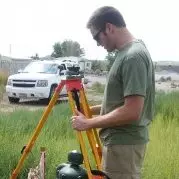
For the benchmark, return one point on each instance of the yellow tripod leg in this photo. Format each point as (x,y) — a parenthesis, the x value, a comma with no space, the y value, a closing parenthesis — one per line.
(37,131)
(90,133)
(89,115)
(80,138)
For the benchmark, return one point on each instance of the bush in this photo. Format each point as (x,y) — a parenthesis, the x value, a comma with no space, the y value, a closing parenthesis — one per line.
(98,87)
(87,71)
(3,81)
(169,78)
(2,89)
(3,78)
(98,72)
(162,79)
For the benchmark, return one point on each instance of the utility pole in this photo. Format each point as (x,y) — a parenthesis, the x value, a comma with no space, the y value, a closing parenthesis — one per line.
(10,50)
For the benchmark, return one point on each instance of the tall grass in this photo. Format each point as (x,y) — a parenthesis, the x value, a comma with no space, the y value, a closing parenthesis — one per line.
(162,157)
(2,90)
(3,77)
(167,104)
(161,160)
(17,128)
(3,81)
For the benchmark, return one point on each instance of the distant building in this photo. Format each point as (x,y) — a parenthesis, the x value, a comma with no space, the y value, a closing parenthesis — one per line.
(21,63)
(12,65)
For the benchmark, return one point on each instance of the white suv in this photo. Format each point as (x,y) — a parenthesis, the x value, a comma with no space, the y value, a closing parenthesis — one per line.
(38,80)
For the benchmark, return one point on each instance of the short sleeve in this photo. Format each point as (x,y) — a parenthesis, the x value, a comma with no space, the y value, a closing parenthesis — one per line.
(134,76)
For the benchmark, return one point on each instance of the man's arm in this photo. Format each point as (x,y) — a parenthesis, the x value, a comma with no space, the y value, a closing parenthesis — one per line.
(95,109)
(129,112)
(126,114)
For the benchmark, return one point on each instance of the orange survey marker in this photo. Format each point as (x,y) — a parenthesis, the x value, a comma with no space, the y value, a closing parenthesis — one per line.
(77,98)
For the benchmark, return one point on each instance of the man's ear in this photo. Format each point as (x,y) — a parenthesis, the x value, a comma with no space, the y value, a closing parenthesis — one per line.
(109,28)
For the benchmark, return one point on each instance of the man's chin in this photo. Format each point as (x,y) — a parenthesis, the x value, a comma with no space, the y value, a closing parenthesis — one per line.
(109,50)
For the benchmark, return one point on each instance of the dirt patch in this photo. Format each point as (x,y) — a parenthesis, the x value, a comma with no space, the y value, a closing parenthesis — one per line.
(5,106)
(31,105)
(167,86)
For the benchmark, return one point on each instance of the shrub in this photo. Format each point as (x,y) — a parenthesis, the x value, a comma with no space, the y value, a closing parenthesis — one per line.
(98,87)
(3,81)
(162,79)
(169,78)
(98,72)
(3,77)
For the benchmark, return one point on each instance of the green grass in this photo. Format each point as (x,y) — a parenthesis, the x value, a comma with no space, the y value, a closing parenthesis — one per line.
(3,81)
(16,128)
(2,90)
(167,104)
(162,155)
(3,77)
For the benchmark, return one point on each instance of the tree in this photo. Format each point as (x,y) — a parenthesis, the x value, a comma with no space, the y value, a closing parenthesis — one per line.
(99,64)
(95,65)
(57,50)
(67,48)
(111,56)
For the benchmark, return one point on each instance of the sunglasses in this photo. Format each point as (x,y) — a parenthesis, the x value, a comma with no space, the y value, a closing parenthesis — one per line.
(96,37)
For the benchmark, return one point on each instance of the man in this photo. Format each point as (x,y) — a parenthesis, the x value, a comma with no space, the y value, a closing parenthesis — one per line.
(128,103)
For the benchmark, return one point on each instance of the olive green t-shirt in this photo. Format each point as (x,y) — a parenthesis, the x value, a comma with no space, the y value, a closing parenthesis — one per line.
(132,73)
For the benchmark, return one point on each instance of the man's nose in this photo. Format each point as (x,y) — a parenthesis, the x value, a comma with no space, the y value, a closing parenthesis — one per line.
(98,44)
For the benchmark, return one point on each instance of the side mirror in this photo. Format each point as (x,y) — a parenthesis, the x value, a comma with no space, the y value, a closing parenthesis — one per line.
(60,67)
(61,74)
(19,71)
(74,68)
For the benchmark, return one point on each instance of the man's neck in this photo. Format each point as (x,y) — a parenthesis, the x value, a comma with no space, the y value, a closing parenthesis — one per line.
(124,37)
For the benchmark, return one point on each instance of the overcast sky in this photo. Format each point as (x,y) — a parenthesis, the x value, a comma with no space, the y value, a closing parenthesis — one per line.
(33,26)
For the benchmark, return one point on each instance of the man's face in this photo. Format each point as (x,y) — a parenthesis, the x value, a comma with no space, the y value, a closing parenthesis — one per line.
(103,38)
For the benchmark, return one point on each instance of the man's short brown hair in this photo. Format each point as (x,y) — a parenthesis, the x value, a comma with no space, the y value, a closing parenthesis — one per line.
(103,15)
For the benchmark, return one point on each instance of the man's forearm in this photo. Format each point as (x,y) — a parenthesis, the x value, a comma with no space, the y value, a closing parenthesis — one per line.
(117,117)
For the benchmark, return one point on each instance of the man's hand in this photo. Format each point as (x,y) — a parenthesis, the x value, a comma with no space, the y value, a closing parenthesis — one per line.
(80,122)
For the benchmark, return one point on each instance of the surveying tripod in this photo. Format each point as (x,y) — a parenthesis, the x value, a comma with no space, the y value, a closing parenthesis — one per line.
(76,97)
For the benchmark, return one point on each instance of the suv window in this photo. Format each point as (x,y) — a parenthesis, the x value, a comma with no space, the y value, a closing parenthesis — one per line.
(39,67)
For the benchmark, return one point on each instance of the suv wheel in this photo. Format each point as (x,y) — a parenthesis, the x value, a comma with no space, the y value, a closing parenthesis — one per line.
(13,100)
(52,91)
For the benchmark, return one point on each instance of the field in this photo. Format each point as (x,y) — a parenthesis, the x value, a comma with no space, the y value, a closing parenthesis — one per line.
(17,126)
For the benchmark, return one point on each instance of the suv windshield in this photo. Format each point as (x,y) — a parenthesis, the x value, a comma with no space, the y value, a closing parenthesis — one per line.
(38,67)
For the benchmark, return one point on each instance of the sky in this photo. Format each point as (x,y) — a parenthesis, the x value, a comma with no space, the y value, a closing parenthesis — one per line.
(28,27)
